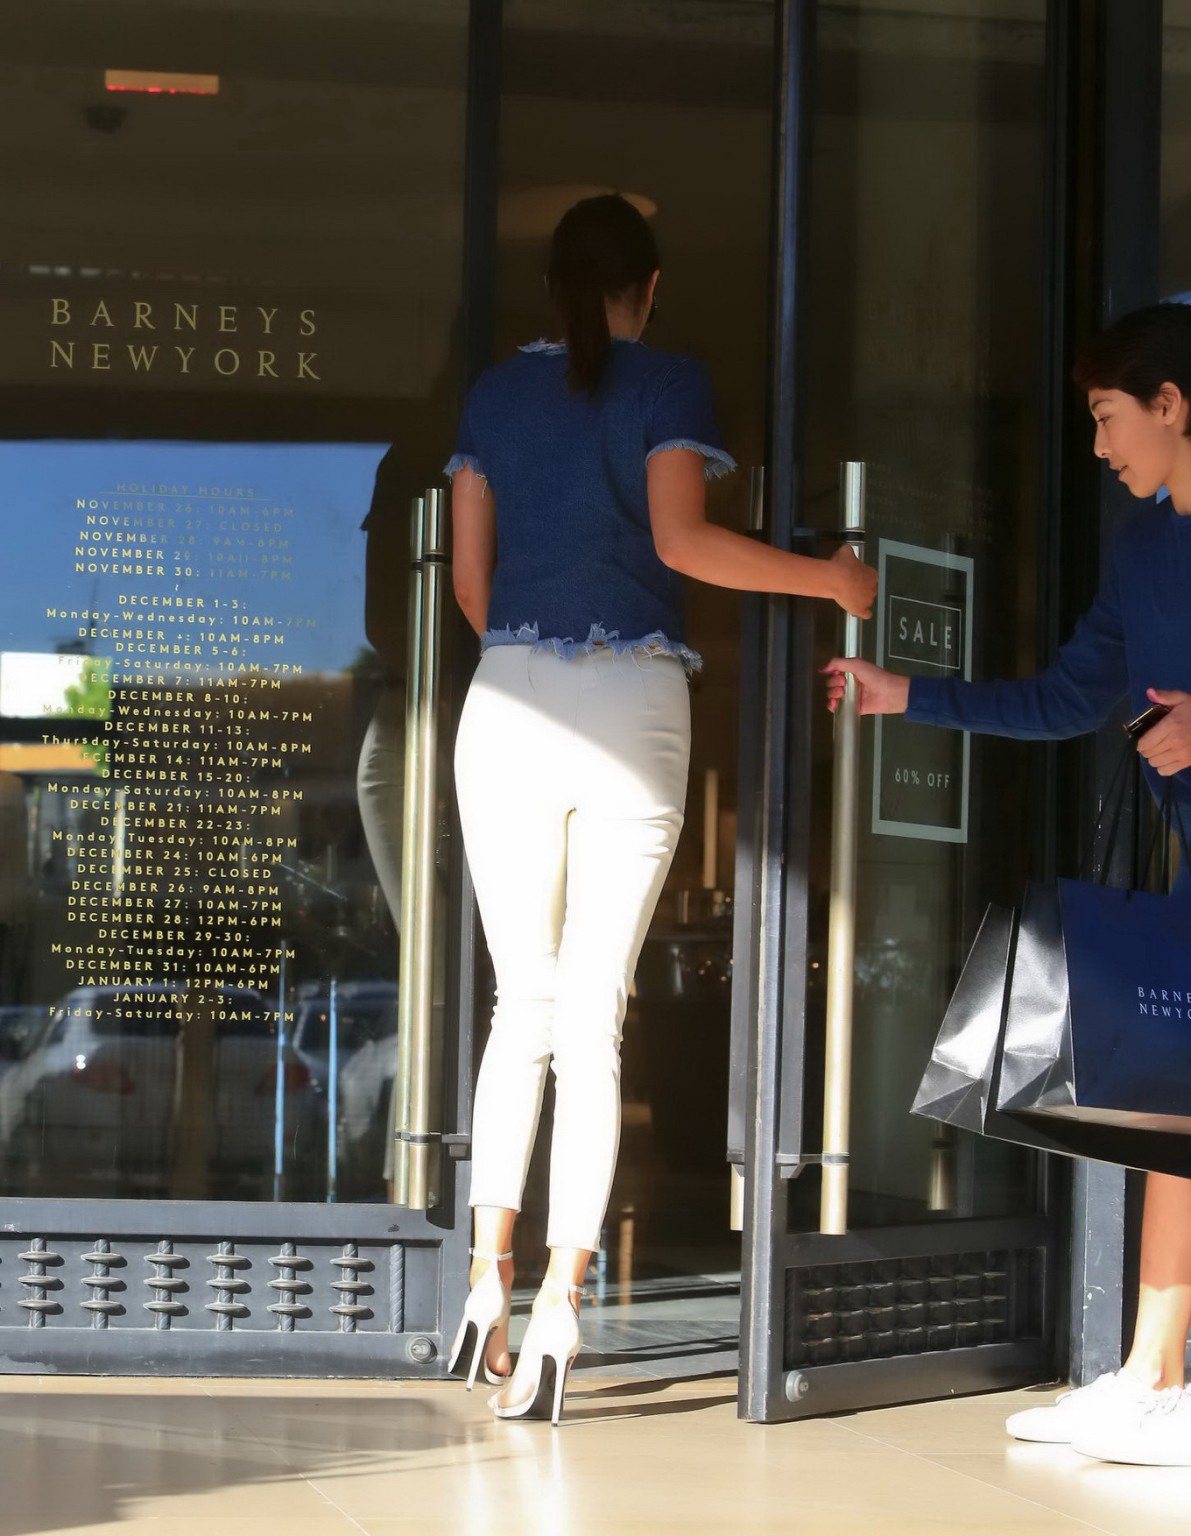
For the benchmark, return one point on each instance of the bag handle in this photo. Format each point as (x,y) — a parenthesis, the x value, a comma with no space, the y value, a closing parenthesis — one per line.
(1170,823)
(1112,808)
(1173,798)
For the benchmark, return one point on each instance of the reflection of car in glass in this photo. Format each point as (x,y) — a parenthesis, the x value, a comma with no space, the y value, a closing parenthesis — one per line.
(94,1102)
(364,1011)
(366,1031)
(18,1028)
(365,1086)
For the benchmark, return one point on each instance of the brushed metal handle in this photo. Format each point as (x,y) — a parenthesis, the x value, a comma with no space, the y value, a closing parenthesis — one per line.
(416,1140)
(841,929)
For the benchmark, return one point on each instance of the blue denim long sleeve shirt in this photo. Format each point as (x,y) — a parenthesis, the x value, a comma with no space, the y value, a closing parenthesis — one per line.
(576,568)
(1136,635)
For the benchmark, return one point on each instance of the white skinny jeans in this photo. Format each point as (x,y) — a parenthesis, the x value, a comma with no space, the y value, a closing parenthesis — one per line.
(571,776)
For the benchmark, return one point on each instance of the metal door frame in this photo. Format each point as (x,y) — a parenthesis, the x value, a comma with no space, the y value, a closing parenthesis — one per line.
(777,698)
(1116,215)
(231,1288)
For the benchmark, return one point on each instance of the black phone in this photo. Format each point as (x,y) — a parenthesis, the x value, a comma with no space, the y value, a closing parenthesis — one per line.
(1136,728)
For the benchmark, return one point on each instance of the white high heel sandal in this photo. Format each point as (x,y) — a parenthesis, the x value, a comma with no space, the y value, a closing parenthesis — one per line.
(487,1307)
(548,1351)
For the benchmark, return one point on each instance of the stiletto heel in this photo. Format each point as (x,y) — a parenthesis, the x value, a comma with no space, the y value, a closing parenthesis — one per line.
(487,1307)
(548,1351)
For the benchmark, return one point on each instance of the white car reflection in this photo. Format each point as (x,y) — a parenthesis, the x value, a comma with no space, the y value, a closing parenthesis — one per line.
(19,1026)
(104,1099)
(365,1091)
(366,1042)
(364,1012)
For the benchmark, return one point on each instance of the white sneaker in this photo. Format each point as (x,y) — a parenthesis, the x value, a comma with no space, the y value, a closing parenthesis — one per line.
(1161,1437)
(1115,1399)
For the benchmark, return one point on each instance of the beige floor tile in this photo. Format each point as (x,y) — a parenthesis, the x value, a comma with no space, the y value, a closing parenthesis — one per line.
(632,1458)
(115,1494)
(1128,1501)
(792,1524)
(98,1412)
(300,1387)
(943,1523)
(332,1523)
(968,1436)
(277,1502)
(967,1424)
(112,1386)
(624,1460)
(115,1459)
(20,1525)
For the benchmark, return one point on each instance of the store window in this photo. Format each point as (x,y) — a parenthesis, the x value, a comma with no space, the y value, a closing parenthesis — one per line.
(230,289)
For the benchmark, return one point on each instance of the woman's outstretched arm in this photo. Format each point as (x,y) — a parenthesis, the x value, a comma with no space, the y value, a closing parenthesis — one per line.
(687,542)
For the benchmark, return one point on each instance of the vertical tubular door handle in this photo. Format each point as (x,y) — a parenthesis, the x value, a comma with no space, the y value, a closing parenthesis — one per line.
(279,1078)
(409,885)
(416,980)
(333,1092)
(841,930)
(757,499)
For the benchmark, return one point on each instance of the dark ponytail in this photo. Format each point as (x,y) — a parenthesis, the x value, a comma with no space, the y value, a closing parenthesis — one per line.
(1139,353)
(602,248)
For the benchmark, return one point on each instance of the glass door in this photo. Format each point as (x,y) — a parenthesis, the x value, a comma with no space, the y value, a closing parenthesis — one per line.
(671,105)
(920,336)
(232,287)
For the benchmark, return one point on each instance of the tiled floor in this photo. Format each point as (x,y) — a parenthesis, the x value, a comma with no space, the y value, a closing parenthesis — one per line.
(269,1458)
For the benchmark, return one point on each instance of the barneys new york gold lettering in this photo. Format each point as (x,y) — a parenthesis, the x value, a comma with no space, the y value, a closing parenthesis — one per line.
(71,353)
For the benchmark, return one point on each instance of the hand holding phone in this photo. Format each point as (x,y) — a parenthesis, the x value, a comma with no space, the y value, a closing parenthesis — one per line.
(1166,744)
(1136,728)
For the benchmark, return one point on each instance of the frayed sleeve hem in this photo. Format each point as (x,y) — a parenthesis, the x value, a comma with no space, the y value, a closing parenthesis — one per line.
(716,463)
(464,461)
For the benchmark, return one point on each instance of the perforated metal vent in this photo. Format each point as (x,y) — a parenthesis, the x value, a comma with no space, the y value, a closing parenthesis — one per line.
(865,1311)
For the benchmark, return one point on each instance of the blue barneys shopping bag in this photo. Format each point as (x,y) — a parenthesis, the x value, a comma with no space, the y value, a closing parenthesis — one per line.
(1098,1027)
(961,1082)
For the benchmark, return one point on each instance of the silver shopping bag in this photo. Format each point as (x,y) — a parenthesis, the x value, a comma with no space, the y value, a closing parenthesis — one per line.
(957,1083)
(962,1082)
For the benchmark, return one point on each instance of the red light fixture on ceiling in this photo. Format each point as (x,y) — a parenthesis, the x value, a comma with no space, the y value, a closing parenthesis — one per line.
(154,82)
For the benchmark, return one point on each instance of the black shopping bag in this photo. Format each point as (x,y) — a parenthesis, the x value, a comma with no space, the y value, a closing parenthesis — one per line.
(961,1083)
(1098,1029)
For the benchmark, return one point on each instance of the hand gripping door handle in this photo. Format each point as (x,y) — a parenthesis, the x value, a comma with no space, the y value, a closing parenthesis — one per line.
(841,925)
(416,1141)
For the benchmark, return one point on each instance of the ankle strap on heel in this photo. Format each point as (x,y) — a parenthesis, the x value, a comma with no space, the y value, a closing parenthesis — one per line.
(559,1291)
(491,1258)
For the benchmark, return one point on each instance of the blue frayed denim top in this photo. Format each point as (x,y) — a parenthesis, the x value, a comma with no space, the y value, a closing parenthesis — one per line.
(576,567)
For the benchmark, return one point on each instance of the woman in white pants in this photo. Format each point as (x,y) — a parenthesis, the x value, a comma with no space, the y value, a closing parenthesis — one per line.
(578,503)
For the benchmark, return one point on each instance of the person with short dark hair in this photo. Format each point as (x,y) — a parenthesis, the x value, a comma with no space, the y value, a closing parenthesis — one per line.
(1134,642)
(578,505)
